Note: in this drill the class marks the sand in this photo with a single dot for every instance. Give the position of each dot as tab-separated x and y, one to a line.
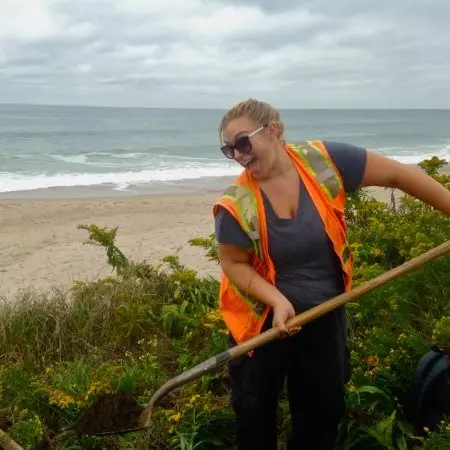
41	246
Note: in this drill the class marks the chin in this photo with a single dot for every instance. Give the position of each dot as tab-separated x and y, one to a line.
256	175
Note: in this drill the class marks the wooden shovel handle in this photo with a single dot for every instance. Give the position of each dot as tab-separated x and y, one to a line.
297	321
340	300
7	443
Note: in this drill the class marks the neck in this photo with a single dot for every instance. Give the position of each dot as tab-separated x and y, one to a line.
280	167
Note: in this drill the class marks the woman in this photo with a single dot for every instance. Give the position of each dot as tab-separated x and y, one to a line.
283	249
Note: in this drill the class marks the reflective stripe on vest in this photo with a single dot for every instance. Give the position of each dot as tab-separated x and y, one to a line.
346	254
319	165
245	202
257	307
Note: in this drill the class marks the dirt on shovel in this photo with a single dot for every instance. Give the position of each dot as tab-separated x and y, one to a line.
110	412
5	423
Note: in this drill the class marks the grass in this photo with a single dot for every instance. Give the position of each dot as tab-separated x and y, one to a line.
131	332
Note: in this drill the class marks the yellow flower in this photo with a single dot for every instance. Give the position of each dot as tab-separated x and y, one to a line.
376	252
175	417
214	316
194	398
60	399
373	361
98	387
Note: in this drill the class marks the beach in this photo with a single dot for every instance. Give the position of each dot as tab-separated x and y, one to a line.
42	248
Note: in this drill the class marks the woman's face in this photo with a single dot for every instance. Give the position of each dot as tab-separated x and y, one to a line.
251	144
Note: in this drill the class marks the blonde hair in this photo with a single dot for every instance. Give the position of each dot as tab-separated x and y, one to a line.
260	112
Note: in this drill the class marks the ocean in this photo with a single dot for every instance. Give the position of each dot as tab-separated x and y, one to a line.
46	150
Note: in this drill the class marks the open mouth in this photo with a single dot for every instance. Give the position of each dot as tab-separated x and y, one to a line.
248	163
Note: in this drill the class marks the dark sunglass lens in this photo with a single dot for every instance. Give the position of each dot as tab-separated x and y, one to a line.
228	151
243	145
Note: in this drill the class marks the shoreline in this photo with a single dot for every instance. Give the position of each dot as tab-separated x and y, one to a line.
110	191
184	186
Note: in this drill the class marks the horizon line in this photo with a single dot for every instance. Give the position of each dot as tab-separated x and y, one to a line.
213	108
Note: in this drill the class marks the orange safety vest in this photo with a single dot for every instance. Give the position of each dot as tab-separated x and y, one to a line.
243	315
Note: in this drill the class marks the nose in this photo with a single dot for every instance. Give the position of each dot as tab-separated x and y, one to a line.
237	155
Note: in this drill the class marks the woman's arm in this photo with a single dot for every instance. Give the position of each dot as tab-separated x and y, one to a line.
235	264
386	172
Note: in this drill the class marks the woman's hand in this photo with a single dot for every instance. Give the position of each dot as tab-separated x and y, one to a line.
282	312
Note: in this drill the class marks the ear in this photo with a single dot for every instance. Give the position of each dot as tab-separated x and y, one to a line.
272	130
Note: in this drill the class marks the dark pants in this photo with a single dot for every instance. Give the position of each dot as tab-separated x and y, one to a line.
316	364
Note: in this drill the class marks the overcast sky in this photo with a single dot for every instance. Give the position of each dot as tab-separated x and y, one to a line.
212	53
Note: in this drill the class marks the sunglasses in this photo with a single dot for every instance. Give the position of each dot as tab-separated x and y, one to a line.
242	144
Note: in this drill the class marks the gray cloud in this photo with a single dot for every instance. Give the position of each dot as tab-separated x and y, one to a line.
198	53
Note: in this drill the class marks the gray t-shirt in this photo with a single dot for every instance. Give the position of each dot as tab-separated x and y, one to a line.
308	270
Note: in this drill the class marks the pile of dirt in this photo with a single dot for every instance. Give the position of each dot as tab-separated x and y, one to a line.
5	422
109	413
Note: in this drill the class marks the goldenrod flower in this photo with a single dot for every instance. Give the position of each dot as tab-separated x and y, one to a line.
194	398
60	399
175	417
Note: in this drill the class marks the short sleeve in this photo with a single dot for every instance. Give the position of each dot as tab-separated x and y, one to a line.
228	231
350	160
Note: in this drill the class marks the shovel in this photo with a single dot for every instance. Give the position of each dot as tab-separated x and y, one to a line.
144	420
7	443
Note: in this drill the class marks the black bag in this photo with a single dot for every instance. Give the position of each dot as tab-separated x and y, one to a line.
429	399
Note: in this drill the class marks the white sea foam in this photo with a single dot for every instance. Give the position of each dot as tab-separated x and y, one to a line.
124	155
407	157
71	159
123	170
10	182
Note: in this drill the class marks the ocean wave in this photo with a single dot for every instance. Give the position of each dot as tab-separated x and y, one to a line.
71	159
11	182
405	155
112	154
159	156
83	158
133	168
101	158
194	158
125	155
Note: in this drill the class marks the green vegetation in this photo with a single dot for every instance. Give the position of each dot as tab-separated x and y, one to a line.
133	331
